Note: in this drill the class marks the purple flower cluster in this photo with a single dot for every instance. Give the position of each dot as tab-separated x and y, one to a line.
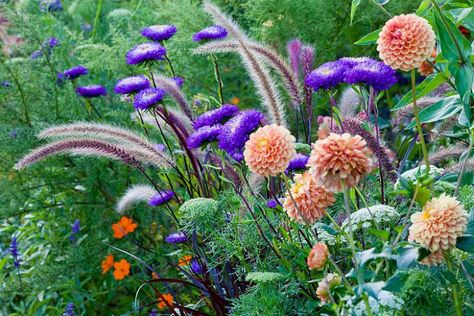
148	97
159	32
69	311
131	85
145	52
215	116
362	70
297	163
179	81
235	133
73	73
36	54
176	238
91	91
196	267
272	203
210	33
203	135
161	198
75	228
14	252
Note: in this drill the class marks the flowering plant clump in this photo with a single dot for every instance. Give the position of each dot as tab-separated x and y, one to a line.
272	183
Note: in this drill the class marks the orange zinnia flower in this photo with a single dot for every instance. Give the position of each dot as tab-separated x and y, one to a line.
122	269
123	227
164	301
108	263
184	261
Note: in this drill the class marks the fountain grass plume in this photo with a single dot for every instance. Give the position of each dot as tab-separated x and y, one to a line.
170	86
443	154
134	194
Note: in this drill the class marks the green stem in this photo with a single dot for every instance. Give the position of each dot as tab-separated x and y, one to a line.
456	301
418	122
351	234
381	7
367	305
464	164
218	78
22	94
97	16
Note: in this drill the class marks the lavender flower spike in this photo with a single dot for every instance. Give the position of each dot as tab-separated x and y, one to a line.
148	97
75	72
176	238
91	91
131	85
210	33
326	76
203	135
196	267
75	227
215	116
14	252
69	311
159	32
145	52
161	198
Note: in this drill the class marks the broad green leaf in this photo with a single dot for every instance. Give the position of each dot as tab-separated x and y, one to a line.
372	288
466	243
449	48
396	282
462	74
424	5
440	110
429	84
354	5
468	20
423	195
407	257
369	39
470	223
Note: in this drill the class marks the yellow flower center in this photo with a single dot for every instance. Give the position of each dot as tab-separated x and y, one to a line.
426	214
263	144
297	187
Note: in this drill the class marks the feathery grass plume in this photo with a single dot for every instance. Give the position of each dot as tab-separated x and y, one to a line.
269	56
177	118
110	134
349	103
86	147
406	113
228	170
457	167
444	153
134	194
293	47
254	64
170	86
354	127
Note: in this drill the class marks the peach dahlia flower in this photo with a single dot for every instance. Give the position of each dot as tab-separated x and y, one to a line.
269	150
318	256
339	158
433	259
327	284
406	41
440	223
311	200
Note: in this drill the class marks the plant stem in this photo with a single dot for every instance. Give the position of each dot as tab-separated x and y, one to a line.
218	78
22	94
351	234
367	305
97	16
456	301
464	164
373	107
405	221
381	7
418	122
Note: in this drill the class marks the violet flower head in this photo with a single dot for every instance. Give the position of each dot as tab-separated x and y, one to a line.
294	51
203	135
50	5
131	85
161	198
272	203
196	267
91	91
176	238
326	76
52	42
75	228
14	252
373	73
74	72
145	52
210	33
237	130
215	116
69	311
148	97
36	54
159	32
297	163
179	81
5	84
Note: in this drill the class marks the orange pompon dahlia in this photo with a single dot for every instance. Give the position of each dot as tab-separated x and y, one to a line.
434	259
164	301
311	200
440	223
269	150
406	41
339	158
123	227
318	256
122	269
107	264
327	284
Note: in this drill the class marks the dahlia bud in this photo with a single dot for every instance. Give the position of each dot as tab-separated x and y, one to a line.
318	256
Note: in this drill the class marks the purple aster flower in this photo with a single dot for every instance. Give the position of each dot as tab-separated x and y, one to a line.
350	62
297	163
272	203
196	267
50	5
203	135
145	52
36	54
179	81
159	32
326	76
14	252
161	198
69	311
5	84
237	130
210	33
74	72
373	73
91	91
148	97
75	227
215	116
52	42
131	85
159	147
176	238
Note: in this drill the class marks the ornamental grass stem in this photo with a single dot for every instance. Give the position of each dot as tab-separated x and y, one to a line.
217	74
418	122
464	164
455	292
373	108
97	17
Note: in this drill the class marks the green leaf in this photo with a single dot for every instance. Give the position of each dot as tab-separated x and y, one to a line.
466	243
262	277
369	39
445	108
423	195
429	84
379	233
396	282
364	256
424	5
470	223
407	257
463	76
354	5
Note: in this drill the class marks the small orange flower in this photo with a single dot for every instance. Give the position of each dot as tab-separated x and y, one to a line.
154	276
235	101
122	269
184	260
123	227
108	263
164	301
